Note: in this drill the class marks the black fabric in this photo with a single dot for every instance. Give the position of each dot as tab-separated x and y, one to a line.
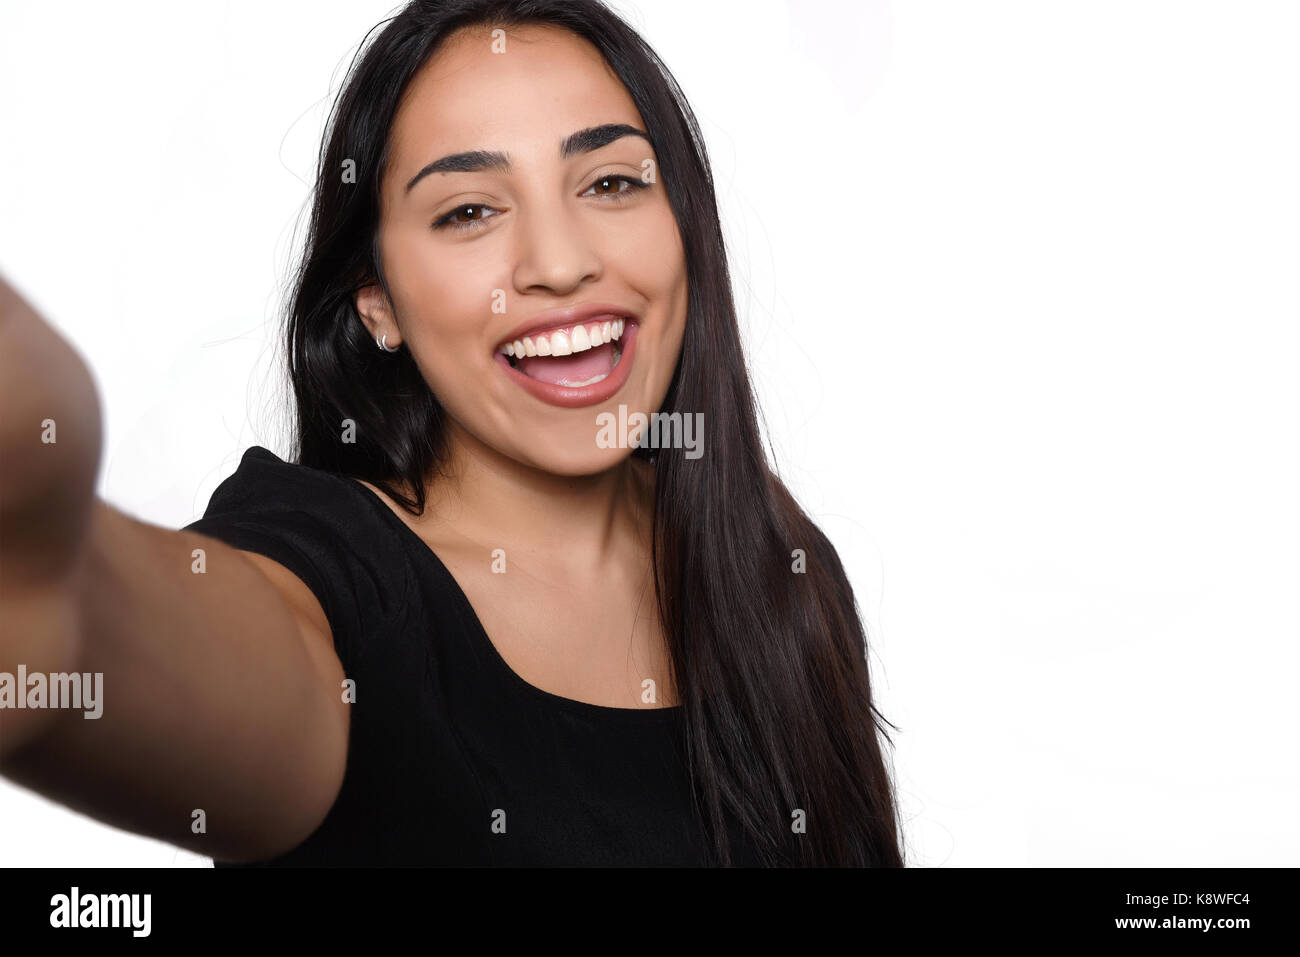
445	736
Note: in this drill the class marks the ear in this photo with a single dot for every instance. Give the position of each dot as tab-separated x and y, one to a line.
373	308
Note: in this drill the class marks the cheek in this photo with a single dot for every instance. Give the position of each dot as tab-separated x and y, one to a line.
442	317
660	256
654	263
667	275
435	283
443	303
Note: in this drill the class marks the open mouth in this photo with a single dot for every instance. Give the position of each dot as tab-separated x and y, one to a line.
572	357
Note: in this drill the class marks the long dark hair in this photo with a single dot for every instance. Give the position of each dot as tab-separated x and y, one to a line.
769	659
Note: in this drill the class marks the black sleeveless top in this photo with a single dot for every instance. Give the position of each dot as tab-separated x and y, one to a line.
453	758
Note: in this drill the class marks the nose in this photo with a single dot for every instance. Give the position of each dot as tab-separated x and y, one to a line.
555	251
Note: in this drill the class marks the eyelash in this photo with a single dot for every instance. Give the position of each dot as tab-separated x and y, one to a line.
447	221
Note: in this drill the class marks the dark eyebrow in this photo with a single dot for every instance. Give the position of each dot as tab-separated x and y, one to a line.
583	141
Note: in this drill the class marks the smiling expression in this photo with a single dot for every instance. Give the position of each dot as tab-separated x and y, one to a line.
536	268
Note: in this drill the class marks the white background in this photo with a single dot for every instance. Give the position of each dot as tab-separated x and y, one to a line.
1019	289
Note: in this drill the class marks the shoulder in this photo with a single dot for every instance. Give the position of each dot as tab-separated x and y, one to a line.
265	488
324	528
263	478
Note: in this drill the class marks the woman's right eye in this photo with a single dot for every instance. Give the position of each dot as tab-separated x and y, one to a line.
451	220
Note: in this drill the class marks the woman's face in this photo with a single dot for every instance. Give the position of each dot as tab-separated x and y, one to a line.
477	253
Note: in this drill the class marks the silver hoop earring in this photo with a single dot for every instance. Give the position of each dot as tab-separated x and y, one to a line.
383	343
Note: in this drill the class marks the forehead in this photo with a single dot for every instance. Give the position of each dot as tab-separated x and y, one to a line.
545	85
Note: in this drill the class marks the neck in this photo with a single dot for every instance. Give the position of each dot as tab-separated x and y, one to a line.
576	524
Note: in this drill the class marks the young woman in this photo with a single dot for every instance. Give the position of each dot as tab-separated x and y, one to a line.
475	618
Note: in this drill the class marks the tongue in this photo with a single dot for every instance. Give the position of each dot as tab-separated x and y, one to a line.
571	370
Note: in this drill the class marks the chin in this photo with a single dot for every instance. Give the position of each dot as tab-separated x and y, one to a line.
577	457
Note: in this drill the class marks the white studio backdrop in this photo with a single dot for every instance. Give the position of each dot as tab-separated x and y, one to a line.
1018	283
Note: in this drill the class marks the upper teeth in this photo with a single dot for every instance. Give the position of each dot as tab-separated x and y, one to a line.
565	342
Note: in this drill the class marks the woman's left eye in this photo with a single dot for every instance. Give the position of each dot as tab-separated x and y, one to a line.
450	221
633	184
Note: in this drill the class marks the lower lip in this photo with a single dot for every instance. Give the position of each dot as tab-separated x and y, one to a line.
585	395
